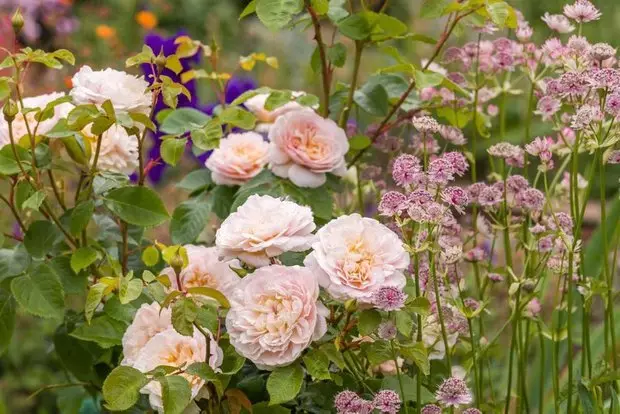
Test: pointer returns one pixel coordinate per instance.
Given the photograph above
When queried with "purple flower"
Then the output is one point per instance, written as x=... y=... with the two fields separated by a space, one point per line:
x=453 y=392
x=431 y=409
x=387 y=330
x=582 y=11
x=348 y=402
x=387 y=401
x=405 y=168
x=389 y=298
x=392 y=203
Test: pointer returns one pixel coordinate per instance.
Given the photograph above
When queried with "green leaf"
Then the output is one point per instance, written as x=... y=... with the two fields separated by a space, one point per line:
x=320 y=6
x=8 y=162
x=139 y=206
x=72 y=283
x=275 y=14
x=427 y=79
x=211 y=293
x=359 y=142
x=93 y=299
x=150 y=256
x=182 y=120
x=104 y=330
x=129 y=289
x=377 y=352
x=317 y=364
x=82 y=258
x=333 y=354
x=77 y=356
x=208 y=318
x=249 y=9
x=7 y=319
x=40 y=293
x=369 y=320
x=418 y=354
x=284 y=383
x=278 y=98
x=196 y=180
x=34 y=201
x=387 y=27
x=80 y=216
x=337 y=54
x=172 y=150
x=238 y=117
x=358 y=26
x=202 y=370
x=404 y=323
x=337 y=10
x=208 y=137
x=176 y=393
x=13 y=262
x=585 y=397
x=121 y=389
x=431 y=9
x=189 y=220
x=419 y=305
x=233 y=362
x=373 y=100
x=502 y=14
x=184 y=312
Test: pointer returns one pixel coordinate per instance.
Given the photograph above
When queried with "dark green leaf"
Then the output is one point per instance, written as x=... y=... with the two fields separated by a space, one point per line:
x=189 y=220
x=7 y=319
x=373 y=100
x=104 y=330
x=196 y=180
x=176 y=393
x=184 y=312
x=317 y=364
x=182 y=120
x=13 y=262
x=121 y=389
x=81 y=215
x=369 y=320
x=40 y=293
x=139 y=206
x=284 y=384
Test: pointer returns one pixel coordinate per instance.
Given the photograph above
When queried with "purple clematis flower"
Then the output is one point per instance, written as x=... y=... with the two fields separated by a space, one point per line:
x=234 y=88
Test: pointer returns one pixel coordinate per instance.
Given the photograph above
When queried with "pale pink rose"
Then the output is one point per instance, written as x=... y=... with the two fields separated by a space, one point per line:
x=305 y=146
x=148 y=322
x=265 y=227
x=239 y=158
x=389 y=367
x=118 y=152
x=24 y=122
x=173 y=349
x=266 y=118
x=356 y=256
x=275 y=314
x=205 y=269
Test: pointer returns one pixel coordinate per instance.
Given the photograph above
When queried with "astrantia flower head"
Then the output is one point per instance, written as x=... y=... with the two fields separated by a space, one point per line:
x=392 y=203
x=602 y=51
x=495 y=277
x=582 y=11
x=387 y=401
x=614 y=157
x=425 y=124
x=456 y=197
x=389 y=298
x=431 y=409
x=458 y=161
x=511 y=153
x=531 y=199
x=441 y=171
x=405 y=168
x=612 y=105
x=585 y=116
x=489 y=196
x=516 y=183
x=558 y=22
x=547 y=107
x=472 y=411
x=452 y=134
x=348 y=402
x=453 y=392
x=387 y=330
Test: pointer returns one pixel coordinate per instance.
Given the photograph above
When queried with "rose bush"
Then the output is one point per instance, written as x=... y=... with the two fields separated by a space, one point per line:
x=346 y=252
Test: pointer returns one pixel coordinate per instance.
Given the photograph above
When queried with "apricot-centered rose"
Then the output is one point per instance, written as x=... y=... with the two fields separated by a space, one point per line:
x=239 y=158
x=275 y=314
x=354 y=256
x=265 y=227
x=306 y=146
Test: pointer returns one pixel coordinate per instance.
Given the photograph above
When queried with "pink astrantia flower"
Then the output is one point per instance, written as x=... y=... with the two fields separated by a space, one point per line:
x=558 y=22
x=392 y=203
x=453 y=392
x=452 y=134
x=275 y=314
x=205 y=269
x=253 y=234
x=389 y=298
x=431 y=409
x=306 y=146
x=425 y=124
x=239 y=158
x=582 y=11
x=547 y=107
x=387 y=401
x=405 y=168
x=614 y=157
x=356 y=256
x=456 y=197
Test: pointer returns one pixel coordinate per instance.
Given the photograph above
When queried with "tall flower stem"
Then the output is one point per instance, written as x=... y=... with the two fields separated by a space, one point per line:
x=344 y=118
x=325 y=69
x=444 y=334
x=399 y=376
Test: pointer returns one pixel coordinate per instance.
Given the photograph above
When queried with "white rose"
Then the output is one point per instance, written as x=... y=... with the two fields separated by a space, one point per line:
x=205 y=269
x=148 y=322
x=23 y=122
x=275 y=314
x=306 y=146
x=239 y=158
x=354 y=256
x=265 y=227
x=127 y=93
x=119 y=150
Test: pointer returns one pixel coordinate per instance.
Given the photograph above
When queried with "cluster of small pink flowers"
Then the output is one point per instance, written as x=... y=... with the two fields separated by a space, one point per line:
x=512 y=154
x=385 y=401
x=387 y=331
x=582 y=11
x=453 y=392
x=389 y=298
x=541 y=147
x=425 y=124
x=431 y=409
x=405 y=169
x=392 y=203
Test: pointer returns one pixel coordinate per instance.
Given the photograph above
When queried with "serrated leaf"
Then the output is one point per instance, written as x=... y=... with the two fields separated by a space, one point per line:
x=104 y=330
x=418 y=354
x=93 y=299
x=82 y=258
x=80 y=216
x=317 y=364
x=150 y=256
x=238 y=117
x=172 y=150
x=7 y=319
x=275 y=14
x=40 y=293
x=184 y=312
x=176 y=393
x=189 y=220
x=211 y=293
x=139 y=206
x=284 y=384
x=121 y=389
x=34 y=201
x=196 y=181
x=183 y=120
x=368 y=321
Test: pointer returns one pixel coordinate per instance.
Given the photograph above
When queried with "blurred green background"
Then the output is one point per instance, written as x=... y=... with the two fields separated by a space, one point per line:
x=105 y=32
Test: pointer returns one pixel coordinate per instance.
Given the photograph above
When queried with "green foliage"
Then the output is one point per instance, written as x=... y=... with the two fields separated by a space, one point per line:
x=122 y=387
x=40 y=292
x=284 y=384
x=139 y=206
x=276 y=14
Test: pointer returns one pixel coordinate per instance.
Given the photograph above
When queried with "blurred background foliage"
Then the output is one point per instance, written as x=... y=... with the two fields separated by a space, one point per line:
x=103 y=33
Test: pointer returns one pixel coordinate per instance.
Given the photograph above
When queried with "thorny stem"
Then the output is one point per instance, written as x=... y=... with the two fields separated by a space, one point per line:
x=325 y=67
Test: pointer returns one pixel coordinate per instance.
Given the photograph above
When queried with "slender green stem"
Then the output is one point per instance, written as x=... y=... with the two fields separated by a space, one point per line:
x=325 y=69
x=344 y=118
x=399 y=376
x=444 y=334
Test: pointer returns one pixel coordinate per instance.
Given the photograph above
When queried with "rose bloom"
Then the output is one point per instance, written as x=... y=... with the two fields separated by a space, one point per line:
x=266 y=118
x=22 y=122
x=265 y=227
x=305 y=146
x=205 y=269
x=151 y=341
x=127 y=93
x=118 y=152
x=356 y=256
x=275 y=314
x=239 y=158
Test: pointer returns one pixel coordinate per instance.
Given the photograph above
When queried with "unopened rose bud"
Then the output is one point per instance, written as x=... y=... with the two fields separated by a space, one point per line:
x=17 y=21
x=177 y=264
x=10 y=110
x=160 y=62
x=528 y=285
x=350 y=305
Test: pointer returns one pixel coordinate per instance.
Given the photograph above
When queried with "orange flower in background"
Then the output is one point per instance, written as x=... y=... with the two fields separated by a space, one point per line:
x=105 y=32
x=146 y=19
x=66 y=2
